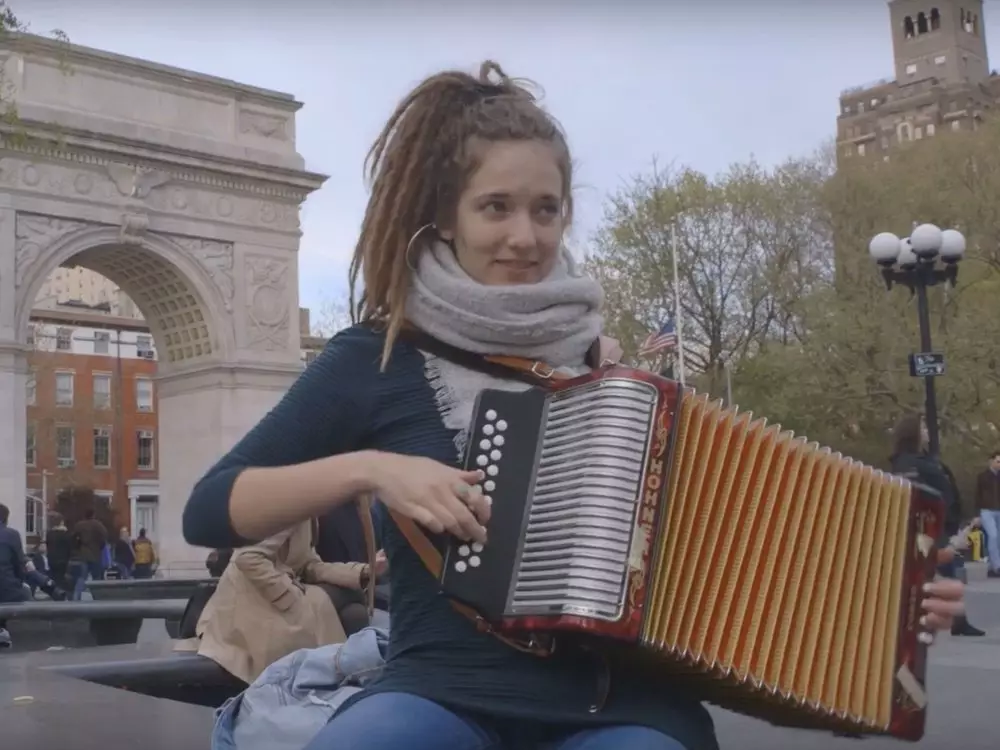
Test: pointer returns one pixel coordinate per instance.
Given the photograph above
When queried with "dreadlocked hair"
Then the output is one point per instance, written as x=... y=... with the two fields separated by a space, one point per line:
x=418 y=167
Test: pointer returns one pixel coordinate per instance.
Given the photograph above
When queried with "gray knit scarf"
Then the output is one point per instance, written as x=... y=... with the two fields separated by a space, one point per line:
x=555 y=320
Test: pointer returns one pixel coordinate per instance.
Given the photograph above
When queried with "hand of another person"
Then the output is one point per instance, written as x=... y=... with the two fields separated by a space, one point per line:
x=945 y=598
x=436 y=496
x=381 y=564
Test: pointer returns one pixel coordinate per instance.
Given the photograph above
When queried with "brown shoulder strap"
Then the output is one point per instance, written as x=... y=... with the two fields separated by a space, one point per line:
x=364 y=506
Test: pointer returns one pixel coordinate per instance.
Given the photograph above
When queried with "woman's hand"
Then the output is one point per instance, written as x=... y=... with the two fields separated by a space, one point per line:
x=945 y=598
x=436 y=496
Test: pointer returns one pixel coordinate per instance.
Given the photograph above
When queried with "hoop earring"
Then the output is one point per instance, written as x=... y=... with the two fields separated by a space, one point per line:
x=409 y=245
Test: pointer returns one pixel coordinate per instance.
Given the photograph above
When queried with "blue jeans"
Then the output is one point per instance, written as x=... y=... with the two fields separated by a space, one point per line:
x=79 y=571
x=389 y=721
x=990 y=520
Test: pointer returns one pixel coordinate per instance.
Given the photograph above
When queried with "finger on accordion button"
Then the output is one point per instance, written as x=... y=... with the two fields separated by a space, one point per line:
x=488 y=499
x=477 y=547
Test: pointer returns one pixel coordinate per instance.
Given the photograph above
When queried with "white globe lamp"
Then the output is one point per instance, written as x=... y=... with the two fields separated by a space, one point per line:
x=952 y=246
x=884 y=248
x=926 y=241
x=906 y=257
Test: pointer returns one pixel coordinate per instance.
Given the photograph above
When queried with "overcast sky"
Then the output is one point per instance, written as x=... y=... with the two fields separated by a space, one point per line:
x=698 y=83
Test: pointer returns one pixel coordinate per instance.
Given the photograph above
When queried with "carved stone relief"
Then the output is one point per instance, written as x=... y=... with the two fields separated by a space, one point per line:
x=267 y=302
x=34 y=234
x=263 y=124
x=217 y=259
x=156 y=190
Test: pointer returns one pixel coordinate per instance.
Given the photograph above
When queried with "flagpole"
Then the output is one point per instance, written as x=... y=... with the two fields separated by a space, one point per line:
x=678 y=325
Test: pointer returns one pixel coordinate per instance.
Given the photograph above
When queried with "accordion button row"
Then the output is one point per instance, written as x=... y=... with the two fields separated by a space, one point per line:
x=489 y=445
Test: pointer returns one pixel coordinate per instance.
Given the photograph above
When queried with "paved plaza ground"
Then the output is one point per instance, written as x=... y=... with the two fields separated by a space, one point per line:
x=964 y=684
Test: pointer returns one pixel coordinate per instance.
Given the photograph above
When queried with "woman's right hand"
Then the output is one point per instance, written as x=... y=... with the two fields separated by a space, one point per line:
x=436 y=496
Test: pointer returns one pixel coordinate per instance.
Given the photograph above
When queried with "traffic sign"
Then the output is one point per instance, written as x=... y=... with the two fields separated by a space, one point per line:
x=927 y=365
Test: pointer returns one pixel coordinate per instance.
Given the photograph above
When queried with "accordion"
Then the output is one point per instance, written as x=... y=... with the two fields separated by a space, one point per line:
x=777 y=578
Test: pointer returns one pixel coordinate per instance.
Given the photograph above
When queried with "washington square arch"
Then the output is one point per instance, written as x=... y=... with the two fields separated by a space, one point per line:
x=185 y=191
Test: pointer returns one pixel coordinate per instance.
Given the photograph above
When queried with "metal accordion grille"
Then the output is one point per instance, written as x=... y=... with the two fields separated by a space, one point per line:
x=588 y=477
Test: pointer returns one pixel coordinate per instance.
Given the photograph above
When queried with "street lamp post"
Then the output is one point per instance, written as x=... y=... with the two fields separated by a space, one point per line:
x=913 y=262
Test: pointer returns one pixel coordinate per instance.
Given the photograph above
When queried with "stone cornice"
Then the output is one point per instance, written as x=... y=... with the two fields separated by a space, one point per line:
x=249 y=178
x=69 y=53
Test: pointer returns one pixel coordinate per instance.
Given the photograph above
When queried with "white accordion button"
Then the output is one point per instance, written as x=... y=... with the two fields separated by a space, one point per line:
x=495 y=455
x=489 y=485
x=492 y=470
x=464 y=550
x=502 y=425
x=482 y=459
x=477 y=547
x=487 y=429
x=461 y=566
x=484 y=444
x=474 y=561
x=491 y=415
x=497 y=441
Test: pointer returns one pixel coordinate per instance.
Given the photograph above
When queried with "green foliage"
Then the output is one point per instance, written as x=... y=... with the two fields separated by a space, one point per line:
x=821 y=349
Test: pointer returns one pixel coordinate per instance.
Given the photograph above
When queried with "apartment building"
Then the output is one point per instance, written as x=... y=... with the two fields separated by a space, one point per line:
x=942 y=81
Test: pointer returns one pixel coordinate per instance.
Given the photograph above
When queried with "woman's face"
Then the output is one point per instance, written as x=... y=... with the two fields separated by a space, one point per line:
x=509 y=220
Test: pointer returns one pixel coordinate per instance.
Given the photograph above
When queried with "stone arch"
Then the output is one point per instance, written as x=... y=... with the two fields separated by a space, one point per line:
x=187 y=312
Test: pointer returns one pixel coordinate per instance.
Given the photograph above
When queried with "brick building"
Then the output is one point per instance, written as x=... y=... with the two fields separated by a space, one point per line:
x=91 y=414
x=942 y=81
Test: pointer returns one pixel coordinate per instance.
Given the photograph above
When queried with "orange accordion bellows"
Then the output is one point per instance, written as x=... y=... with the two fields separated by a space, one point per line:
x=778 y=578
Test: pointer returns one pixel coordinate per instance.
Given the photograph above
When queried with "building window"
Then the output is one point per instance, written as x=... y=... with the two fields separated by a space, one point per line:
x=102 y=447
x=911 y=69
x=146 y=448
x=956 y=124
x=940 y=60
x=935 y=19
x=31 y=388
x=861 y=149
x=931 y=129
x=102 y=340
x=908 y=30
x=64 y=389
x=65 y=446
x=921 y=23
x=31 y=335
x=102 y=391
x=64 y=339
x=918 y=133
x=144 y=394
x=144 y=347
x=34 y=513
x=904 y=131
x=30 y=452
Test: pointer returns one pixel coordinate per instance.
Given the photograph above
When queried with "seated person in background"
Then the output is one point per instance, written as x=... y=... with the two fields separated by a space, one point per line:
x=277 y=597
x=217 y=561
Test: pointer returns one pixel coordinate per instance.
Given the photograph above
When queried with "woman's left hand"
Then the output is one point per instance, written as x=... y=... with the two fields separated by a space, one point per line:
x=381 y=563
x=945 y=598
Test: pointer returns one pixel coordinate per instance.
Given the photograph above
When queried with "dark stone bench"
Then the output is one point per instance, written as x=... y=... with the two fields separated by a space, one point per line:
x=184 y=677
x=145 y=588
x=77 y=624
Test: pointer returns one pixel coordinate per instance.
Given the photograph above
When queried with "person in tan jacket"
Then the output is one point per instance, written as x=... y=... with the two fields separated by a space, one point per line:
x=274 y=598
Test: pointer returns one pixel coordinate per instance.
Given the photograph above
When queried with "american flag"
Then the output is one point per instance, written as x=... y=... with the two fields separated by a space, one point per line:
x=664 y=339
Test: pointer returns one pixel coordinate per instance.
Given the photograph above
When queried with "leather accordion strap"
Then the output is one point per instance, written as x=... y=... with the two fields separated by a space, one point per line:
x=364 y=505
x=530 y=371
